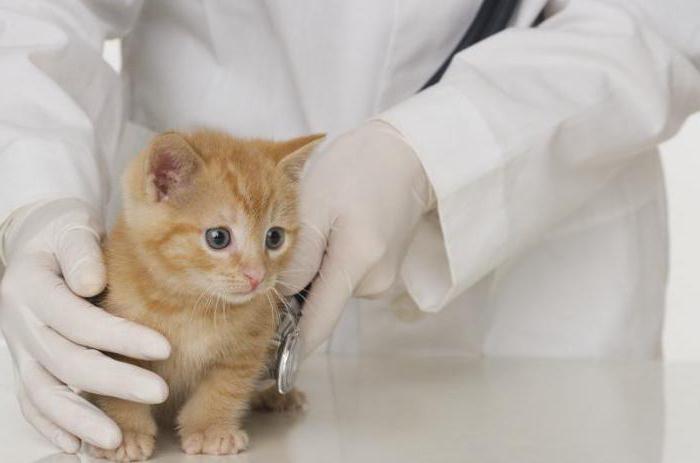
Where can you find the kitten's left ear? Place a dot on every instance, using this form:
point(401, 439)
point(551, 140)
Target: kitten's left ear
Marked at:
point(171, 167)
point(295, 152)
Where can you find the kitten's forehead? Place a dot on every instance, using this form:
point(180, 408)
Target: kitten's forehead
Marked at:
point(250, 186)
point(241, 176)
point(231, 196)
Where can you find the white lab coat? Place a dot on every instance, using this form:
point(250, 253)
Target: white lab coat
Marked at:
point(550, 234)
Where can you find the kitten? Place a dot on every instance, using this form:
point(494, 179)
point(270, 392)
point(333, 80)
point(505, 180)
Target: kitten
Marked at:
point(208, 223)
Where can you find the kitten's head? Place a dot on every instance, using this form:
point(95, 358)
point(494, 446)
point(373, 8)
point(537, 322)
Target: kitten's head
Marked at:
point(215, 215)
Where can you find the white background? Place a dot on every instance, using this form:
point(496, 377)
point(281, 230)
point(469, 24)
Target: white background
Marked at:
point(681, 157)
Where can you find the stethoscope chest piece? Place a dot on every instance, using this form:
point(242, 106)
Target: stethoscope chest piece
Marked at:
point(288, 362)
point(288, 343)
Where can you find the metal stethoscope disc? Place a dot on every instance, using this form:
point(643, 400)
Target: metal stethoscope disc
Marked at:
point(288, 362)
point(283, 367)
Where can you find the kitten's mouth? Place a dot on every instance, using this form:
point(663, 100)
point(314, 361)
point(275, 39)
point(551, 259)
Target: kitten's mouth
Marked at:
point(238, 298)
point(241, 297)
point(236, 293)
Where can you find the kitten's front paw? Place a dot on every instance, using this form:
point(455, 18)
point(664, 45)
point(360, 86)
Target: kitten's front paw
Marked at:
point(135, 446)
point(216, 440)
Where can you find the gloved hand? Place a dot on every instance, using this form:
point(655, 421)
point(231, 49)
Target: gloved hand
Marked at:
point(360, 203)
point(53, 256)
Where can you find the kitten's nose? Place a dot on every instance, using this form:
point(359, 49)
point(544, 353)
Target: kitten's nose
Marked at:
point(254, 277)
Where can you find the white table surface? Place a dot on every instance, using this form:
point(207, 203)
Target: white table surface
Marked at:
point(386, 409)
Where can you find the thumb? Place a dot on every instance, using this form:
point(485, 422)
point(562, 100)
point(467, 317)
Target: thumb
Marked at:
point(329, 294)
point(306, 259)
point(80, 258)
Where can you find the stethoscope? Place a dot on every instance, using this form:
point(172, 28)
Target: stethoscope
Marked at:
point(287, 345)
point(493, 16)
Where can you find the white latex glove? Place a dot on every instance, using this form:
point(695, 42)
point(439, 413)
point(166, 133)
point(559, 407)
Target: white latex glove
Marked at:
point(53, 256)
point(360, 203)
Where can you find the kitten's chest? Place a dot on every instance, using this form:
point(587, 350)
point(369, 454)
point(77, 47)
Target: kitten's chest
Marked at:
point(199, 344)
point(196, 345)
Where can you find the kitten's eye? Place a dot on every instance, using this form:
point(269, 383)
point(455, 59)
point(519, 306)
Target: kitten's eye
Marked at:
point(274, 238)
point(218, 237)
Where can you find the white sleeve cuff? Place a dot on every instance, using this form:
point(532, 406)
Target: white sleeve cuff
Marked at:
point(455, 247)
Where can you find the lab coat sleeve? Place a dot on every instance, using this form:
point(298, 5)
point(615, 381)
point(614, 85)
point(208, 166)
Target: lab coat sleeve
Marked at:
point(527, 125)
point(61, 104)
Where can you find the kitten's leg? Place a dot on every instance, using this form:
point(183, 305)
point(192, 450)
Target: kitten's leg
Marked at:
point(138, 430)
point(210, 420)
point(272, 401)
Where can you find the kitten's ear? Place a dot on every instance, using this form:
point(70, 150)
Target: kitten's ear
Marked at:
point(171, 167)
point(295, 152)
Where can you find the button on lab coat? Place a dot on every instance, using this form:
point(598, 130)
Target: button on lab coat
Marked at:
point(549, 237)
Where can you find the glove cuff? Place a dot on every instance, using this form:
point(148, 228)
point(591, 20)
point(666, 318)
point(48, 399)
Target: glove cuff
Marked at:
point(14, 222)
point(15, 217)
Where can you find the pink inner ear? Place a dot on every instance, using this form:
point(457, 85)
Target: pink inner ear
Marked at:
point(166, 172)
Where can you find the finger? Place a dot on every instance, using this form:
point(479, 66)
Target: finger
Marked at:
point(329, 293)
point(305, 262)
point(378, 280)
point(87, 325)
point(59, 405)
point(315, 226)
point(57, 436)
point(91, 371)
point(80, 257)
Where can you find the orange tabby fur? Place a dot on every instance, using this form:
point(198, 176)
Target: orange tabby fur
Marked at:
point(162, 274)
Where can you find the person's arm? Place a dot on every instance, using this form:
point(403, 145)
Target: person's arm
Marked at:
point(61, 104)
point(523, 129)
point(526, 126)
point(61, 113)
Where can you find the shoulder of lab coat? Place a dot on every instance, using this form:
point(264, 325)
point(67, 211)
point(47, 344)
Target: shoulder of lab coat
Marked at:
point(62, 106)
point(526, 126)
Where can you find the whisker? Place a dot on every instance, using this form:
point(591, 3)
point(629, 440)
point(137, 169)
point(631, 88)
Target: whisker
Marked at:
point(204, 292)
point(223, 308)
point(299, 294)
point(214, 312)
point(273, 312)
point(282, 300)
point(285, 283)
point(208, 305)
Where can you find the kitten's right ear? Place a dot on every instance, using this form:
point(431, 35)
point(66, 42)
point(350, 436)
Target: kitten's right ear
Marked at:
point(295, 152)
point(171, 167)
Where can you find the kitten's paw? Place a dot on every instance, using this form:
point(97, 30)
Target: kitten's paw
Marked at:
point(216, 440)
point(135, 446)
point(272, 401)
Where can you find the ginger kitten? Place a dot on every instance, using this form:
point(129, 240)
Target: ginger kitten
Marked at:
point(208, 223)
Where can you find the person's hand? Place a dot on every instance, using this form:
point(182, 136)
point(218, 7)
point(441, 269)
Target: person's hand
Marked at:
point(360, 203)
point(53, 256)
